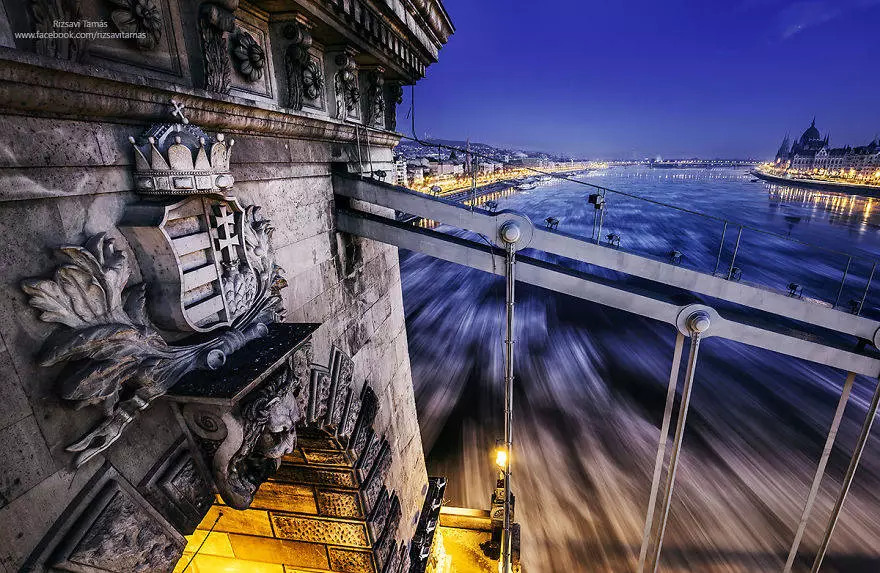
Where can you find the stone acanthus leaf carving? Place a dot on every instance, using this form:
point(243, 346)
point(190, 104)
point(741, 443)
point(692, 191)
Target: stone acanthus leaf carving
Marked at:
point(296, 62)
point(345, 86)
point(141, 17)
point(45, 14)
point(249, 56)
point(375, 98)
point(216, 21)
point(116, 358)
point(395, 97)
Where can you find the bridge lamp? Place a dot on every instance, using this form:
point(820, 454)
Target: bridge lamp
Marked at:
point(501, 458)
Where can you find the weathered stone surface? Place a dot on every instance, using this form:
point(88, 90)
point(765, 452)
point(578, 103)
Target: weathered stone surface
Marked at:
point(351, 561)
point(386, 545)
point(376, 479)
point(26, 520)
point(369, 454)
point(363, 430)
point(110, 527)
point(379, 514)
point(14, 406)
point(301, 528)
point(26, 459)
point(122, 539)
point(336, 503)
point(285, 497)
point(320, 394)
point(310, 475)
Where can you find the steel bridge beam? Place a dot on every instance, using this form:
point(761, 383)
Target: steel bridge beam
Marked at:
point(560, 279)
point(559, 243)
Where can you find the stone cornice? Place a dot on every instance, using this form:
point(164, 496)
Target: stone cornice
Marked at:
point(435, 15)
point(43, 87)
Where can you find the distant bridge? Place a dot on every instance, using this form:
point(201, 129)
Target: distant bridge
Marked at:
point(775, 321)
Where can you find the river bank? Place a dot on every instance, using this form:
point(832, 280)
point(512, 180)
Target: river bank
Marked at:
point(833, 186)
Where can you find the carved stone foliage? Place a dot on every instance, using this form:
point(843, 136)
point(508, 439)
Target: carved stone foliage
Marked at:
point(375, 101)
point(216, 21)
point(395, 98)
point(246, 423)
point(250, 59)
point(116, 358)
point(141, 17)
point(110, 528)
point(345, 86)
point(305, 80)
point(45, 13)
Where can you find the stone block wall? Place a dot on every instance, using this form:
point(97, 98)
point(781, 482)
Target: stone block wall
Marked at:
point(66, 174)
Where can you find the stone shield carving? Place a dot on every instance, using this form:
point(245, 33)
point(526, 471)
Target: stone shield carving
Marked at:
point(207, 259)
point(210, 267)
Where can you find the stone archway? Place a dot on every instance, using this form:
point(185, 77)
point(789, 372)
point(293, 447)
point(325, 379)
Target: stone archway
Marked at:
point(327, 508)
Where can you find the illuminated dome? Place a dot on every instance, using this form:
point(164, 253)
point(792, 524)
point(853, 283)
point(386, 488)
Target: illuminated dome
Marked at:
point(812, 134)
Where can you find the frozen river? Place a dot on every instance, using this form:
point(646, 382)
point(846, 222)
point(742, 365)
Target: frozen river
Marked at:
point(591, 383)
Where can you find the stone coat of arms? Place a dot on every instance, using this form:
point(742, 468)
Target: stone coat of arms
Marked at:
point(208, 267)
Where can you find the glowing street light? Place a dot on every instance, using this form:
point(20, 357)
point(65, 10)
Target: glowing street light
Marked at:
point(501, 458)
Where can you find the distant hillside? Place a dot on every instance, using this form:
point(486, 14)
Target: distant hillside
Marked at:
point(413, 150)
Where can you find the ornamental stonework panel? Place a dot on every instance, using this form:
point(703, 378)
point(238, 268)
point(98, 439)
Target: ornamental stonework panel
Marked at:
point(250, 55)
point(178, 490)
point(337, 503)
point(302, 528)
point(110, 528)
point(153, 44)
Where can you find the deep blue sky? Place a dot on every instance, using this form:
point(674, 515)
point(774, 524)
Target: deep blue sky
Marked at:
point(638, 78)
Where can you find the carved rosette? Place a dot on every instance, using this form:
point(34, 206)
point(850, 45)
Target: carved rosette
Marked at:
point(141, 17)
point(216, 21)
point(304, 77)
point(345, 85)
point(249, 56)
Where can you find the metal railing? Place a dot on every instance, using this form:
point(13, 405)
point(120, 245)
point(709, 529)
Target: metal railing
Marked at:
point(829, 294)
point(693, 322)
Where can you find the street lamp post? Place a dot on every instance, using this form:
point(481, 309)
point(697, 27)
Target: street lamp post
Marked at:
point(510, 233)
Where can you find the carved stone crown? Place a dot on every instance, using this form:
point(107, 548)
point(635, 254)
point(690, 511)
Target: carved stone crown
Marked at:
point(181, 159)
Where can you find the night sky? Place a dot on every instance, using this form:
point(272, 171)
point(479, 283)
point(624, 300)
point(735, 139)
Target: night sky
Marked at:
point(645, 78)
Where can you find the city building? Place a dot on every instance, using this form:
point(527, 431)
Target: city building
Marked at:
point(416, 176)
point(400, 173)
point(445, 170)
point(812, 154)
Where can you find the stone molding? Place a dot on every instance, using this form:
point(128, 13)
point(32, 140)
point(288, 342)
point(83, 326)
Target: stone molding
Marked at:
point(176, 488)
point(109, 528)
point(44, 87)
